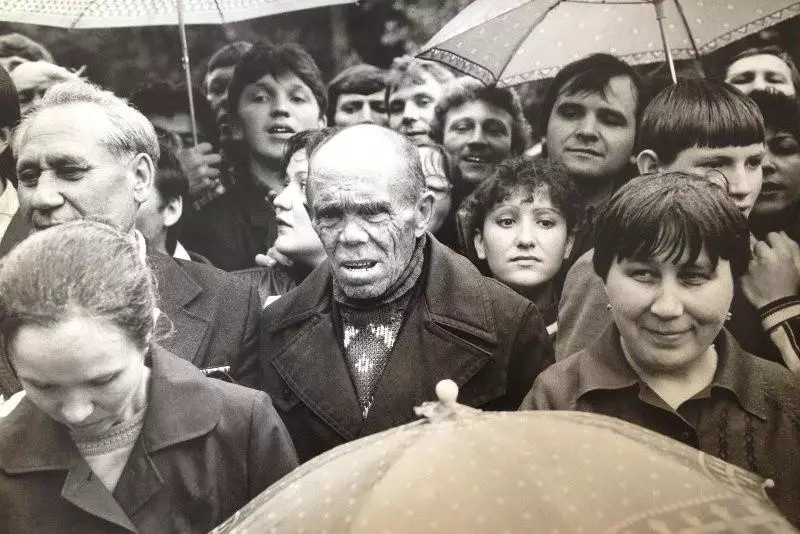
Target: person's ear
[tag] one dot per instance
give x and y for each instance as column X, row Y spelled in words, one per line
column 423, row 213
column 477, row 240
column 5, row 138
column 143, row 171
column 322, row 122
column 647, row 162
column 172, row 211
column 568, row 246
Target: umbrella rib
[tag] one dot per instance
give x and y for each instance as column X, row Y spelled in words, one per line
column 688, row 30
column 219, row 10
column 525, row 36
column 83, row 12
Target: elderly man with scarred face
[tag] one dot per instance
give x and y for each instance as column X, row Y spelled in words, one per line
column 368, row 334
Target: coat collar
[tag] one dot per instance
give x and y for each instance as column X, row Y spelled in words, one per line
column 445, row 284
column 603, row 367
column 453, row 337
column 180, row 407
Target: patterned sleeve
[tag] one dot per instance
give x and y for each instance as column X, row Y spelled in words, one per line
column 781, row 320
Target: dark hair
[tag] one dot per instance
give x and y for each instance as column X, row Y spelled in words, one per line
column 520, row 174
column 696, row 112
column 228, row 55
column 16, row 44
column 361, row 79
column 463, row 90
column 590, row 75
column 9, row 118
column 670, row 214
column 267, row 58
column 171, row 182
column 160, row 97
column 781, row 113
column 92, row 270
column 308, row 140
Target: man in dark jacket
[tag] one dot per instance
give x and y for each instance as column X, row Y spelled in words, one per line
column 369, row 333
column 85, row 154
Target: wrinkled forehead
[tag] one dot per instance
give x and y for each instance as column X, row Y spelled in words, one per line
column 63, row 126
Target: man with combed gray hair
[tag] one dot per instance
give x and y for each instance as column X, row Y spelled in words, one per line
column 83, row 153
column 370, row 332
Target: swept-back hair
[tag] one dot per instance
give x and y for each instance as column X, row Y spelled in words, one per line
column 671, row 214
column 361, row 79
column 130, row 132
column 697, row 112
column 781, row 112
column 465, row 89
column 16, row 44
column 407, row 70
column 276, row 60
column 228, row 55
column 91, row 270
column 587, row 76
column 308, row 140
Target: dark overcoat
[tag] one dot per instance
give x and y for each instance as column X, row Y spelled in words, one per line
column 461, row 325
column 206, row 449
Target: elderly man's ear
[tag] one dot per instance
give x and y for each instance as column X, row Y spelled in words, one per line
column 143, row 172
column 423, row 211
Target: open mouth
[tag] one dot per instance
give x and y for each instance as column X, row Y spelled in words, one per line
column 474, row 158
column 361, row 265
column 281, row 130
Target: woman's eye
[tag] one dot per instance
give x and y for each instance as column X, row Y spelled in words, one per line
column 643, row 275
column 505, row 222
column 547, row 223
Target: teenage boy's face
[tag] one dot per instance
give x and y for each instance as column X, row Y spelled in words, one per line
column 271, row 110
column 592, row 134
column 781, row 166
column 353, row 108
column 741, row 166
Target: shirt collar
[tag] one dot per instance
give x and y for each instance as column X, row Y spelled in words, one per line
column 603, row 367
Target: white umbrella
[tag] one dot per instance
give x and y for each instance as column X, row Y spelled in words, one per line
column 127, row 13
column 509, row 42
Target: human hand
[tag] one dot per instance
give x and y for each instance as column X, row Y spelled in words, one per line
column 774, row 270
column 272, row 258
column 199, row 164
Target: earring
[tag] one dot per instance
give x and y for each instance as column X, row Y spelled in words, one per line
column 609, row 307
column 728, row 316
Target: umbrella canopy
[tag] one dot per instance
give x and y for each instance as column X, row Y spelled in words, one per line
column 124, row 13
column 509, row 42
column 463, row 470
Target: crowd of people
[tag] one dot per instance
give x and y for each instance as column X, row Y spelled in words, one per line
column 187, row 315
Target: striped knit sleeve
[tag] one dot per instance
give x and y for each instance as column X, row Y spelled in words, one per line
column 781, row 320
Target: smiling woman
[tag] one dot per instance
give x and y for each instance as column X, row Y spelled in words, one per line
column 669, row 247
column 127, row 426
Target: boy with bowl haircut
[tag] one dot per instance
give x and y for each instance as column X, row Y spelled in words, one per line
column 711, row 129
column 276, row 91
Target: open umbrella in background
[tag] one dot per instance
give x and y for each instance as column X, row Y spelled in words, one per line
column 129, row 13
column 463, row 470
column 509, row 42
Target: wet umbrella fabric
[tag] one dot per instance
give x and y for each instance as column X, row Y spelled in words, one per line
column 462, row 470
column 509, row 42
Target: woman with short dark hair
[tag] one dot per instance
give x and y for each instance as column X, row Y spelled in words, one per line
column 114, row 432
column 669, row 249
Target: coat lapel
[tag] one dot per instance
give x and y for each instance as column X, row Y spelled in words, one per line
column 83, row 489
column 328, row 390
column 178, row 300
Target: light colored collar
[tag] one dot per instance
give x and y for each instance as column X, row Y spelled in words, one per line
column 141, row 244
column 180, row 252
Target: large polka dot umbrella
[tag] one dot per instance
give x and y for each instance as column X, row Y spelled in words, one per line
column 461, row 470
column 509, row 42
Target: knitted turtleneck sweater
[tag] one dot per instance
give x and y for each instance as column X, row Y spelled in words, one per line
column 370, row 327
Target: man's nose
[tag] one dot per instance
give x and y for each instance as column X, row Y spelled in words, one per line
column 768, row 167
column 353, row 232
column 667, row 303
column 411, row 112
column 587, row 128
column 743, row 181
column 46, row 195
column 280, row 106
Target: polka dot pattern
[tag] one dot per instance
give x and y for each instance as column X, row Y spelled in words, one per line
column 516, row 472
column 123, row 13
column 522, row 40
